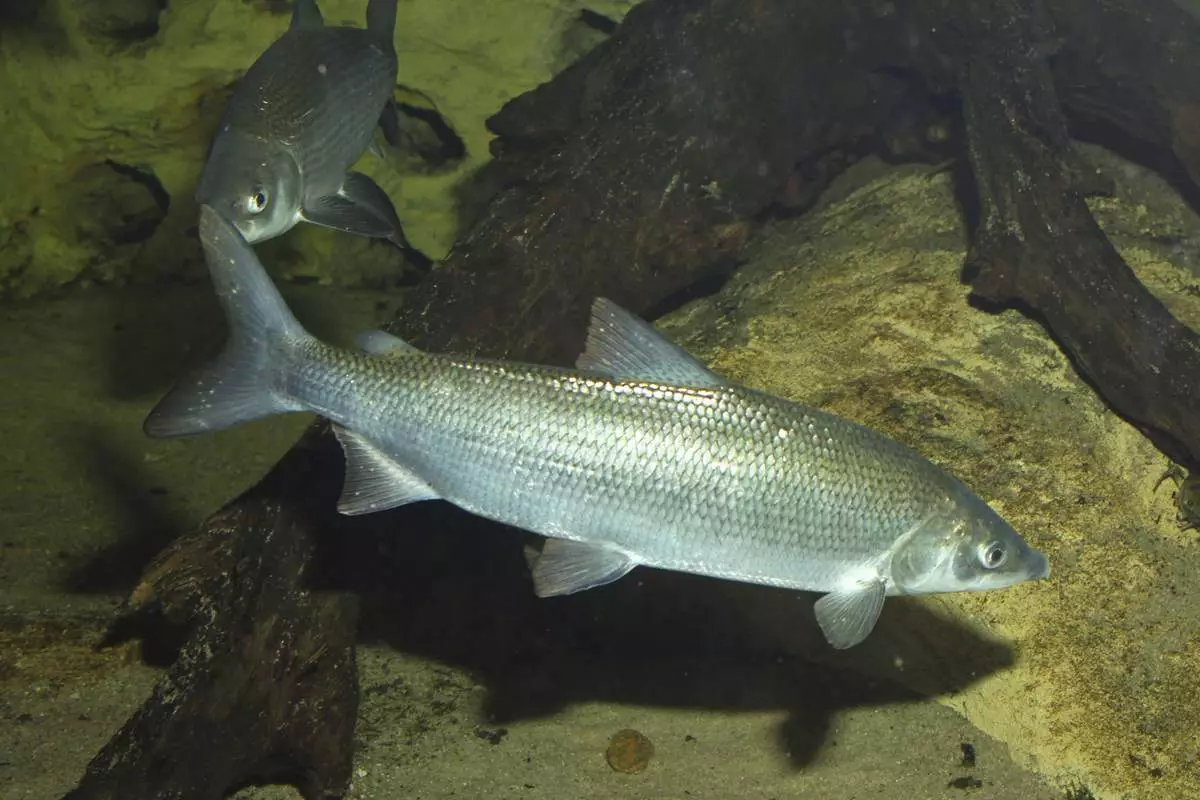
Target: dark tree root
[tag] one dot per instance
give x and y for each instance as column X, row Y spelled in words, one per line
column 639, row 173
column 264, row 689
column 1038, row 246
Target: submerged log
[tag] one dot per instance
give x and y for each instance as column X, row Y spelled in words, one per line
column 1037, row 245
column 642, row 169
column 264, row 688
column 639, row 173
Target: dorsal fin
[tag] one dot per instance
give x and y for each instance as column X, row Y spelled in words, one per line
column 305, row 14
column 625, row 347
column 381, row 21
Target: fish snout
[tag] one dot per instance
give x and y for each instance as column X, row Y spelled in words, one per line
column 1039, row 565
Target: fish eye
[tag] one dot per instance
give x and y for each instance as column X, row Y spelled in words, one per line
column 993, row 555
column 257, row 200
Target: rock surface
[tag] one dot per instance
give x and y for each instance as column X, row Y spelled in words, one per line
column 91, row 84
column 858, row 309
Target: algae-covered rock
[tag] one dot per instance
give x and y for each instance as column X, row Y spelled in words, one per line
column 141, row 84
column 858, row 309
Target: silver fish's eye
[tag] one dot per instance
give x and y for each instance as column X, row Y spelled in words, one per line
column 257, row 200
column 993, row 555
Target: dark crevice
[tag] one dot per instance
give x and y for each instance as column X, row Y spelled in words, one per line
column 117, row 204
column 597, row 21
column 706, row 286
column 271, row 6
column 450, row 144
column 1095, row 128
column 20, row 13
column 147, row 179
column 427, row 142
column 122, row 23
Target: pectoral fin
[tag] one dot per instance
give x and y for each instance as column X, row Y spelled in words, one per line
column 566, row 567
column 342, row 214
column 847, row 615
column 374, row 481
column 360, row 206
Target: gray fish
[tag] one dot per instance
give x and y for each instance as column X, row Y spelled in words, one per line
column 300, row 117
column 641, row 456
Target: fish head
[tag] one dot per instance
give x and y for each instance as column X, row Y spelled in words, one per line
column 252, row 183
column 964, row 546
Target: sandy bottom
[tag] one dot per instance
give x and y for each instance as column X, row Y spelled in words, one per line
column 471, row 687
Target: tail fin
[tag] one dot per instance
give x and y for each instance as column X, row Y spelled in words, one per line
column 237, row 386
column 305, row 14
column 381, row 20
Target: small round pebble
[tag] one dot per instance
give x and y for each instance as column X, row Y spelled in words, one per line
column 629, row 751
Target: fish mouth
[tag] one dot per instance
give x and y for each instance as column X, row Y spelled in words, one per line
column 1039, row 566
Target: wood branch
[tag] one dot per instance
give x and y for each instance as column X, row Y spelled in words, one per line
column 264, row 689
column 1037, row 244
column 1130, row 67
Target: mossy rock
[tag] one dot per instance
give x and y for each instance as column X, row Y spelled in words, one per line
column 141, row 84
column 858, row 308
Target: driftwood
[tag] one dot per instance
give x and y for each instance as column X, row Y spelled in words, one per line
column 264, row 688
column 639, row 173
column 1037, row 244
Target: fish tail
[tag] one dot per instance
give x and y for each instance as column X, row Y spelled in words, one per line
column 381, row 20
column 240, row 384
column 305, row 14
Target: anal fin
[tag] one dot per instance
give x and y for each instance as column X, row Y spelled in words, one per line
column 848, row 615
column 566, row 567
column 374, row 481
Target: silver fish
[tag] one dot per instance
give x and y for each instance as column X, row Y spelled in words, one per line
column 299, row 118
column 641, row 456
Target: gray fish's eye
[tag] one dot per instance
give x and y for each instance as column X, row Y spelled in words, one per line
column 257, row 200
column 993, row 555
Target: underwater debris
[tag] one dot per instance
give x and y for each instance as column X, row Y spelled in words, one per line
column 629, row 751
column 965, row 782
column 968, row 754
column 492, row 735
column 1187, row 496
column 1078, row 792
column 123, row 22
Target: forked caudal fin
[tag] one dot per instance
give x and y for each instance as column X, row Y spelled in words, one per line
column 381, row 20
column 236, row 387
column 305, row 14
